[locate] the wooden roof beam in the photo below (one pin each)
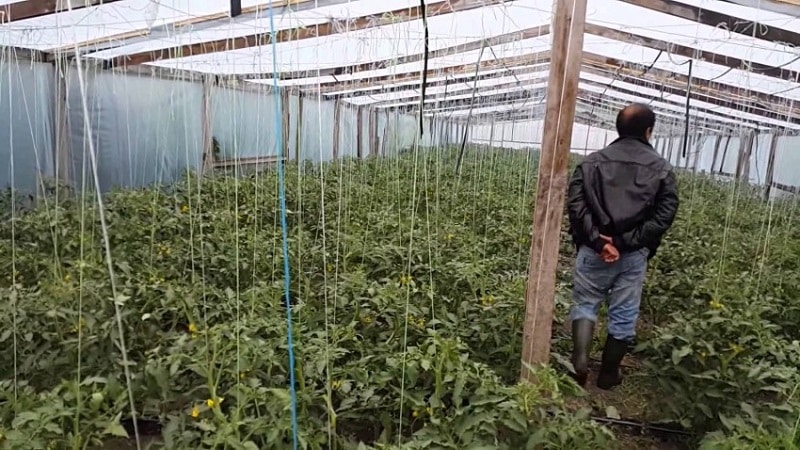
(787, 7)
(536, 112)
(526, 94)
(768, 101)
(694, 53)
(612, 103)
(334, 27)
(535, 95)
(655, 98)
(528, 33)
(669, 87)
(459, 69)
(522, 84)
(30, 9)
(462, 79)
(481, 97)
(605, 104)
(715, 19)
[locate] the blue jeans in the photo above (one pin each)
(621, 283)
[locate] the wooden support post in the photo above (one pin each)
(491, 134)
(299, 129)
(432, 131)
(586, 141)
(769, 178)
(694, 152)
(385, 134)
(724, 152)
(668, 148)
(286, 119)
(208, 138)
(716, 152)
(62, 159)
(337, 118)
(373, 132)
(743, 163)
(569, 18)
(359, 128)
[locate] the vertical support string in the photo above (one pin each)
(284, 231)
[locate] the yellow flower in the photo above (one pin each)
(736, 349)
(366, 319)
(715, 304)
(336, 384)
(415, 413)
(329, 267)
(429, 410)
(67, 278)
(406, 280)
(80, 325)
(211, 403)
(244, 374)
(449, 237)
(184, 209)
(195, 412)
(192, 328)
(487, 300)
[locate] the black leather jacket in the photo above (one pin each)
(626, 191)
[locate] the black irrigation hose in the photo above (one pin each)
(425, 56)
(688, 105)
(643, 426)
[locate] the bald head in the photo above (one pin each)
(636, 120)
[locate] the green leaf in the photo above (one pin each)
(679, 354)
(115, 429)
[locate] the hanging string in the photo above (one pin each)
(284, 231)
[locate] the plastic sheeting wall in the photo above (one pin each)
(523, 134)
(787, 161)
(145, 130)
(701, 156)
(26, 112)
(243, 122)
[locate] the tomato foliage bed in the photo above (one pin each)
(407, 288)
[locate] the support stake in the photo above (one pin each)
(568, 27)
(770, 175)
(208, 138)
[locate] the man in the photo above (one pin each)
(622, 200)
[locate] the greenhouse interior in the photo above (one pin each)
(340, 224)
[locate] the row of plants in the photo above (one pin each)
(725, 300)
(402, 273)
(407, 286)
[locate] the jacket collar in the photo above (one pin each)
(633, 138)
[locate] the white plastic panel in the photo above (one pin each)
(26, 133)
(244, 123)
(787, 161)
(145, 130)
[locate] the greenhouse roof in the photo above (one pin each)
(487, 58)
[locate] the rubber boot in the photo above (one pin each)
(582, 334)
(610, 374)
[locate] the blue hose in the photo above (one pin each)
(284, 226)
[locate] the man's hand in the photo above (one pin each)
(610, 254)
